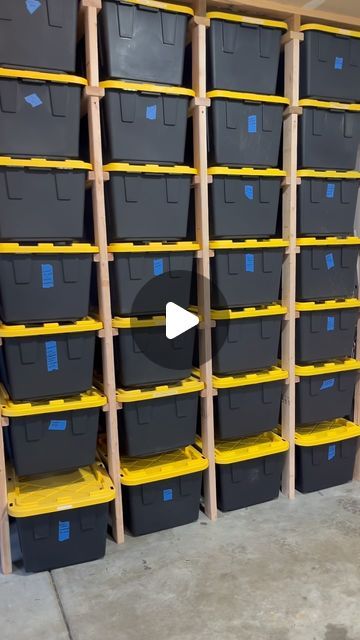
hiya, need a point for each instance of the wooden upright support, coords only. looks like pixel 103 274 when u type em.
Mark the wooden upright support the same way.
pixel 357 349
pixel 89 10
pixel 292 62
pixel 203 261
pixel 5 547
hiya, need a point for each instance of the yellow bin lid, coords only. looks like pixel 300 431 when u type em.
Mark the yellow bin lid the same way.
pixel 247 379
pixel 321 104
pixel 136 471
pixel 232 17
pixel 327 305
pixel 249 172
pixel 87 400
pixel 247 97
pixel 334 175
pixel 248 312
pixel 47 248
pixel 232 451
pixel 153 247
pixel 163 6
pixel 273 243
pixel 190 385
pixel 49 328
pixel 23 74
pixel 38 495
pixel 327 29
pixel 137 323
pixel 323 368
pixel 326 432
pixel 125 167
pixel 43 163
pixel 147 87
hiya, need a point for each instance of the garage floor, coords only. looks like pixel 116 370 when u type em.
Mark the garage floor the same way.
pixel 279 571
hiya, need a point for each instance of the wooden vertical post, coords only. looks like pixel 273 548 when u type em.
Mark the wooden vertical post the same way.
pixel 5 547
pixel 357 348
pixel 292 64
pixel 90 9
pixel 203 262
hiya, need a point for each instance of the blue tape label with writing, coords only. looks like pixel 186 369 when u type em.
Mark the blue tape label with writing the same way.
pixel 339 63
pixel 330 262
pixel 331 451
pixel 249 191
pixel 151 112
pixel 167 495
pixel 34 100
pixel 252 124
pixel 330 323
pixel 64 530
pixel 57 425
pixel 330 190
pixel 51 355
pixel 158 266
pixel 47 276
pixel 249 262
pixel 32 6
pixel 327 384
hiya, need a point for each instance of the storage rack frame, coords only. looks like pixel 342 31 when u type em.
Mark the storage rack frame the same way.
pixel 294 16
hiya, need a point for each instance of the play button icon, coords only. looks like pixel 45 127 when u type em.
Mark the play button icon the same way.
pixel 178 320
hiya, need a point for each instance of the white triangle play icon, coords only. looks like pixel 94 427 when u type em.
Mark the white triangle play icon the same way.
pixel 178 320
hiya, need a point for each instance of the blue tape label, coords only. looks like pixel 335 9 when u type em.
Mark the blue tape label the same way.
pixel 327 384
pixel 330 323
pixel 167 495
pixel 252 124
pixel 331 451
pixel 151 112
pixel 339 63
pixel 330 262
pixel 249 262
pixel 32 6
pixel 249 191
pixel 34 100
pixel 158 266
pixel 330 190
pixel 57 425
pixel 51 356
pixel 64 531
pixel 47 276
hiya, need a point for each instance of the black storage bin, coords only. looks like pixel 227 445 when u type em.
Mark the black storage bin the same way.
pixel 39 114
pixel 42 200
pixel 244 52
pixel 244 203
pixel 330 63
pixel 133 288
pixel 326 268
pixel 245 129
pixel 46 361
pixel 144 123
pixel 246 273
pixel 147 202
pixel 248 471
pixel 144 42
pixel 325 391
pixel 326 330
pixel 163 491
pixel 327 203
pixel 39 35
pixel 145 357
pixel 44 282
pixel 325 454
pixel 52 534
pixel 247 404
pixel 246 340
pixel 159 419
pixel 329 135
pixel 53 436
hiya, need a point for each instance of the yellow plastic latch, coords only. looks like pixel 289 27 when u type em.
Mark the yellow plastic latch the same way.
pixel 190 385
pixel 326 432
pixel 38 495
pixel 232 451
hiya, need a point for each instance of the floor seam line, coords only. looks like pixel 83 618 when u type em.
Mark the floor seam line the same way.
pixel 62 610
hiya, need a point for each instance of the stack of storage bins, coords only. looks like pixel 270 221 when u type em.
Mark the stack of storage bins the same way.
pixel 327 262
pixel 144 123
pixel 245 127
pixel 48 338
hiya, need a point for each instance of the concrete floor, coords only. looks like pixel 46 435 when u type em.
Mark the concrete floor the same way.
pixel 279 571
